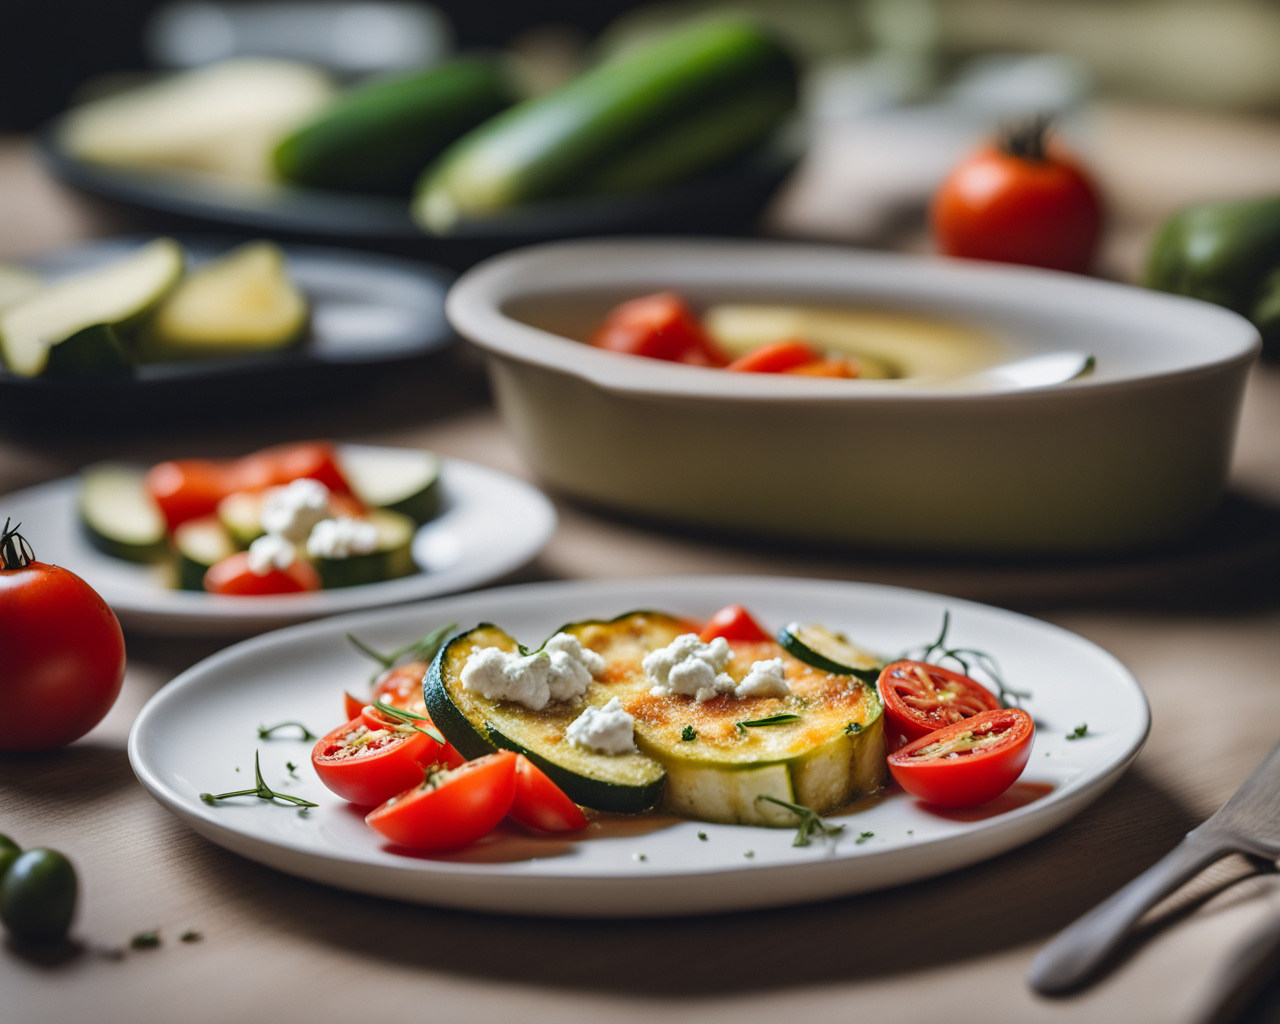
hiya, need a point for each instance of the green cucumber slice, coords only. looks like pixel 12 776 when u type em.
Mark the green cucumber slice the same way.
pixel 404 480
pixel 118 514
pixel 624 784
pixel 830 651
pixel 117 294
pixel 200 543
pixel 241 514
pixel 94 352
pixel 392 558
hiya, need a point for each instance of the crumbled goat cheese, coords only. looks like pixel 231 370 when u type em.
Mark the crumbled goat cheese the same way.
pixel 291 511
pixel 342 538
pixel 690 667
pixel 561 671
pixel 606 730
pixel 270 552
pixel 766 679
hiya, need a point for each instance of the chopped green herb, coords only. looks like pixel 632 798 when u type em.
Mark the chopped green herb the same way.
pixel 749 854
pixel 757 723
pixel 853 728
pixel 639 856
pixel 1078 732
pixel 688 735
pixel 262 791
pixel 863 837
pixel 293 768
pixel 190 935
pixel 702 836
pixel 811 823
pixel 264 731
pixel 146 940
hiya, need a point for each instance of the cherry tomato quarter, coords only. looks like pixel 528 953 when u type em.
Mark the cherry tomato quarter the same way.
pixel 967 763
pixel 1019 201
pixel 63 650
pixel 539 803
pixel 189 488
pixel 777 357
pixel 920 697
pixel 367 766
pixel 660 326
pixel 733 622
pixel 233 576
pixel 450 809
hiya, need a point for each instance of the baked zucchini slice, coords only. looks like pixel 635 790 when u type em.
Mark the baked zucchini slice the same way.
pixel 200 543
pixel 241 514
pixel 404 480
pixel 830 651
pixel 392 558
pixel 821 746
pixel 119 515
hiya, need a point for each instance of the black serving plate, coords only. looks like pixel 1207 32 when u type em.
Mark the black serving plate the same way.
pixel 370 315
pixel 724 202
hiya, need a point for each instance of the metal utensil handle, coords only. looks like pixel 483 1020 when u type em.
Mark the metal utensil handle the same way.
pixel 1071 957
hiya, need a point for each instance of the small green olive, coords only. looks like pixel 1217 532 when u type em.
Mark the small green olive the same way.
pixel 9 851
pixel 38 896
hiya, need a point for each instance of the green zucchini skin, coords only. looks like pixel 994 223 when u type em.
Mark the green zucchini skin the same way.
pixel 379 138
pixel 117 515
pixel 684 104
pixel 93 352
pixel 808 644
pixel 392 559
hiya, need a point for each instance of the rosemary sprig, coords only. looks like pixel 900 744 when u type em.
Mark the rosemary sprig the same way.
pixel 411 717
pixel 423 649
pixel 264 731
pixel 756 723
pixel 262 791
pixel 968 658
pixel 811 823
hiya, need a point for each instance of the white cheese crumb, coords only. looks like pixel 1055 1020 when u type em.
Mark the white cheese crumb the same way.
pixel 561 671
pixel 766 679
pixel 690 667
pixel 291 511
pixel 270 552
pixel 342 538
pixel 606 730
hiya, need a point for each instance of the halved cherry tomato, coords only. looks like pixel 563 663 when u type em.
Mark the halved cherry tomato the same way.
pixel 539 803
pixel 776 357
pixel 969 762
pixel 826 368
pixel 311 459
pixel 233 576
pixel 352 706
pixel 401 686
pixel 188 488
pixel 919 698
pixel 370 758
pixel 733 622
pixel 450 809
pixel 659 326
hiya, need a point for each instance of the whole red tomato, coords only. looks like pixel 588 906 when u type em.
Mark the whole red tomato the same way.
pixel 1019 201
pixel 63 652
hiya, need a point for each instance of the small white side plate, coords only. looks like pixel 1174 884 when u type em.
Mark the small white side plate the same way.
pixel 490 524
pixel 194 735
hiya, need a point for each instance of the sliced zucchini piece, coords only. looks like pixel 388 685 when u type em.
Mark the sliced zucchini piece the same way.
pixel 117 295
pixel 200 543
pixel 830 651
pixel 241 515
pixel 405 480
pixel 241 302
pixel 393 556
pixel 16 283
pixel 119 516
pixel 475 725
pixel 94 352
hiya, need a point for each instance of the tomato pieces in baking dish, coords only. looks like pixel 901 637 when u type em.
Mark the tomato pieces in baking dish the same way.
pixel 920 697
pixel 451 808
pixel 660 326
pixel 967 763
pixel 373 757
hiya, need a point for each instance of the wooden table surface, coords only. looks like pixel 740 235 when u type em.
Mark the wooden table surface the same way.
pixel 274 947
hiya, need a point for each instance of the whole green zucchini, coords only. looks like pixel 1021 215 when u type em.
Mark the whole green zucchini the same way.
pixel 694 99
pixel 379 138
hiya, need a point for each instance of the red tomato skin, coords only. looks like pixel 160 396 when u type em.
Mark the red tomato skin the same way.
pixel 733 622
pixel 401 687
pixel 371 779
pixel 659 326
pixel 995 206
pixel 351 706
pixel 777 357
pixel 63 660
pixel 465 808
pixel 540 804
pixel 904 723
pixel 972 779
pixel 188 488
pixel 314 460
pixel 233 576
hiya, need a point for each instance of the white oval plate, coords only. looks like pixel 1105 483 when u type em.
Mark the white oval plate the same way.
pixel 194 735
pixel 490 524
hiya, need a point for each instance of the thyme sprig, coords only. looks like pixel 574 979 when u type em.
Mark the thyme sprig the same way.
pixel 265 731
pixel 423 649
pixel 262 791
pixel 811 823
pixel 783 719
pixel 411 718
pixel 968 658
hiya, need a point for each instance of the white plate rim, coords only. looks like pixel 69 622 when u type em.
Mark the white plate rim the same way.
pixel 654 892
